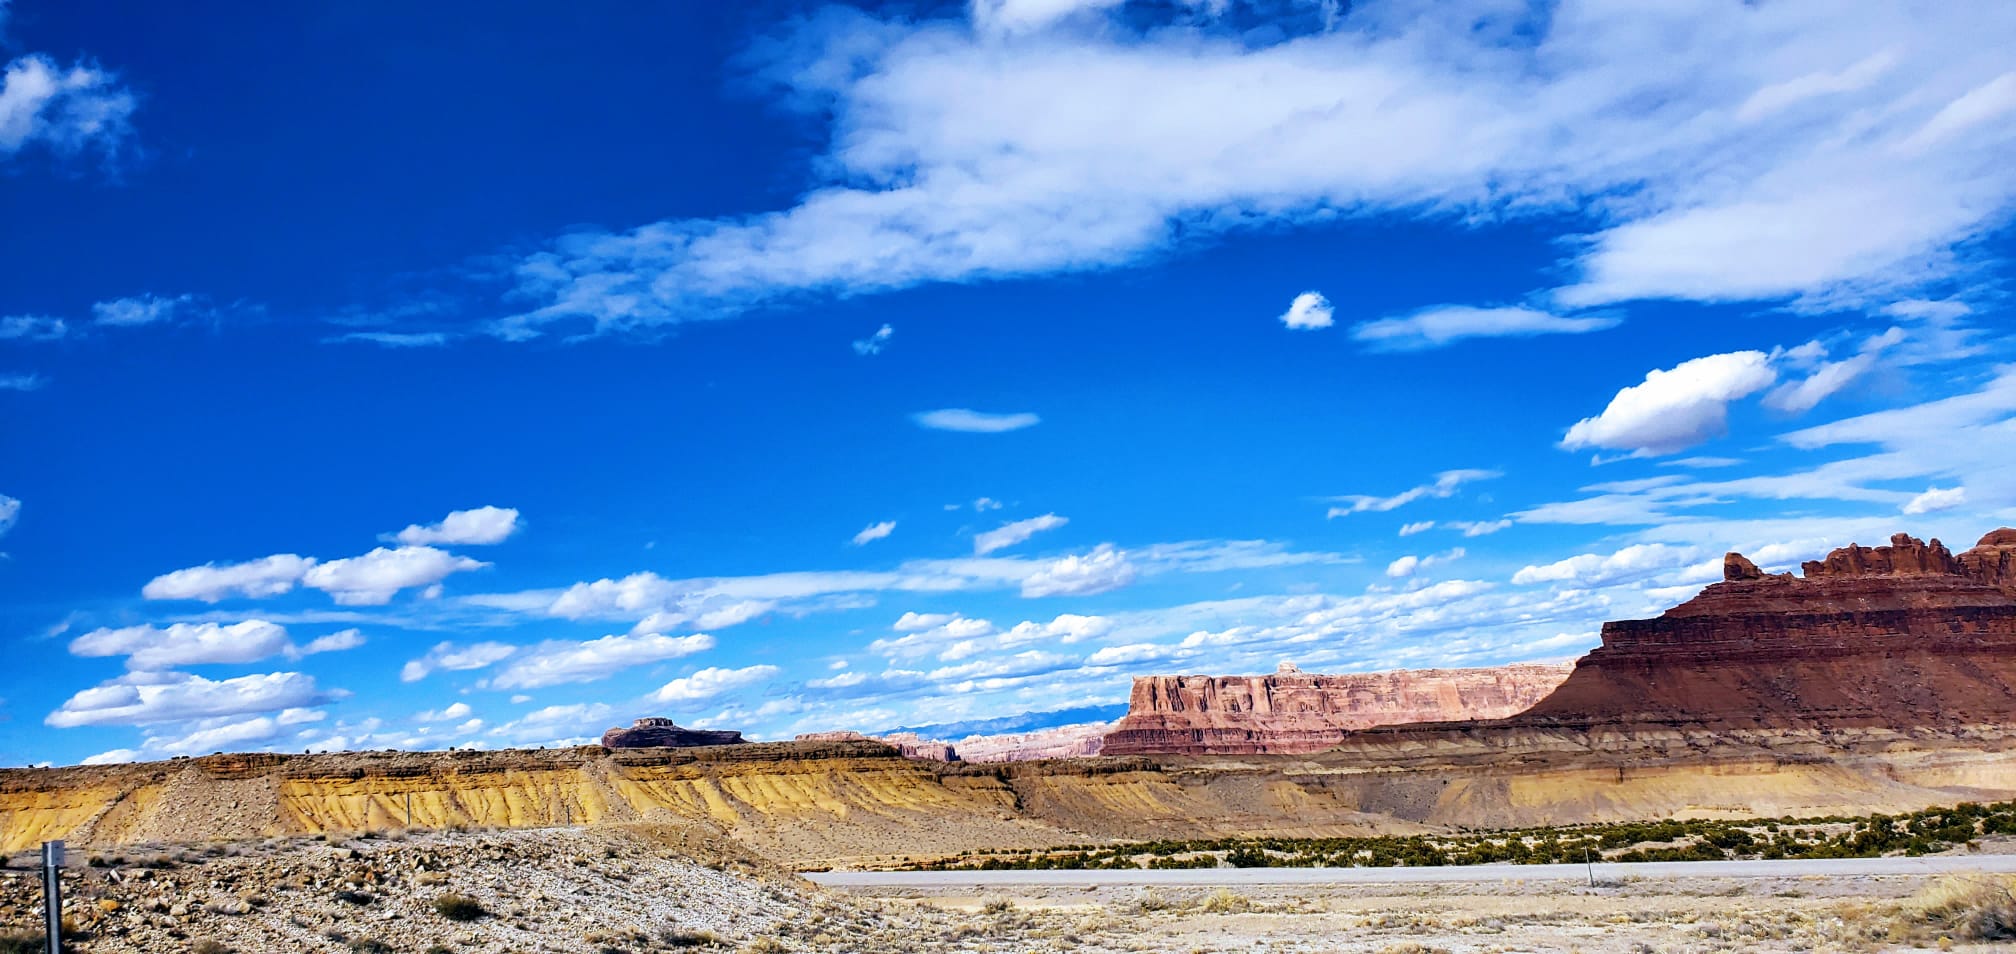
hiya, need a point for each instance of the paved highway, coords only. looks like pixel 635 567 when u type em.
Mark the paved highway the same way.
pixel 1234 877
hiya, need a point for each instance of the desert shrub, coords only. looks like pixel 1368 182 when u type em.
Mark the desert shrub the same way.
pixel 1963 907
pixel 459 907
pixel 20 942
pixel 1225 901
pixel 997 906
pixel 764 945
pixel 681 937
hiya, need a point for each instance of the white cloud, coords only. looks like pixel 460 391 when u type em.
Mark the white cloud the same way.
pixel 1936 499
pixel 1132 654
pixel 114 757
pixel 1010 534
pixel 874 532
pixel 454 658
pixel 1737 151
pixel 458 710
pixel 22 382
pixel 267 576
pixel 142 698
pixel 1633 562
pixel 1445 485
pixel 397 339
pixel 556 662
pixel 1102 570
pixel 1410 564
pixel 1479 528
pixel 1410 529
pixel 139 310
pixel 1674 409
pixel 373 579
pixel 984 504
pixel 873 344
pixel 1828 377
pixel 483 525
pixel 974 422
pixel 711 682
pixel 10 510
pixel 557 724
pixel 916 622
pixel 185 644
pixel 224 737
pixel 32 328
pixel 334 642
pixel 67 111
pixel 1309 311
pixel 1445 324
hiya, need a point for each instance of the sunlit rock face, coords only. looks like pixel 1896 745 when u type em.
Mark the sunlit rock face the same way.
pixel 1297 712
pixel 1901 636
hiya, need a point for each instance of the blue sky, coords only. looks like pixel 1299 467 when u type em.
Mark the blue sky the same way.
pixel 491 375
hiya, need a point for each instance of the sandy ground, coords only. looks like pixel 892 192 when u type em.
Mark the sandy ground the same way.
pixel 1629 917
pixel 637 889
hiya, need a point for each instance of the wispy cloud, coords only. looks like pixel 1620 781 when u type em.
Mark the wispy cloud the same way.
pixel 974 422
pixel 1446 324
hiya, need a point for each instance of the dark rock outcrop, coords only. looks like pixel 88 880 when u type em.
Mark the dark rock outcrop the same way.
pixel 655 733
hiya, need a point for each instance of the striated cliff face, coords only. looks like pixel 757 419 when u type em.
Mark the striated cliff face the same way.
pixel 1294 712
pixel 1900 636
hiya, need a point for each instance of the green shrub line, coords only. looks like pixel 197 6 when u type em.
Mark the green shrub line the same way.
pixel 1872 836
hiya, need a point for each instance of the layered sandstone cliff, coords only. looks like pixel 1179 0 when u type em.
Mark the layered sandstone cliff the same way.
pixel 1901 636
pixel 1294 712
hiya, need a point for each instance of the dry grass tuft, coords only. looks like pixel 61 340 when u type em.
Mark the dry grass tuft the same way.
pixel 1225 901
pixel 1972 907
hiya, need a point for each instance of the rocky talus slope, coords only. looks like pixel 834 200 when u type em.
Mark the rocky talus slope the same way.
pixel 1295 712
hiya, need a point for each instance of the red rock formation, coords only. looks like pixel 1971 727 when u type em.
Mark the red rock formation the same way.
pixel 1061 742
pixel 1294 712
pixel 909 743
pixel 1898 636
pixel 653 733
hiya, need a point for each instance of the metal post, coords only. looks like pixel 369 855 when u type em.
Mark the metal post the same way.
pixel 409 809
pixel 1591 862
pixel 52 893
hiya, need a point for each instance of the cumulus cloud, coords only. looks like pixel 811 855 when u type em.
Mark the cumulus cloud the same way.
pixel 140 310
pixel 974 422
pixel 185 644
pixel 1010 534
pixel 373 579
pixel 1422 526
pixel 1309 311
pixel 556 662
pixel 1674 409
pixel 1446 324
pixel 66 110
pixel 150 647
pixel 874 532
pixel 454 711
pixel 563 724
pixel 1102 570
pixel 267 576
pixel 1936 499
pixel 1410 564
pixel 144 698
pixel 454 658
pixel 873 344
pixel 711 682
pixel 483 525
pixel 1445 485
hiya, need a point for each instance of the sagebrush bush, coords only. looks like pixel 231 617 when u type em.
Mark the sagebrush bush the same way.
pixel 459 907
pixel 1972 907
